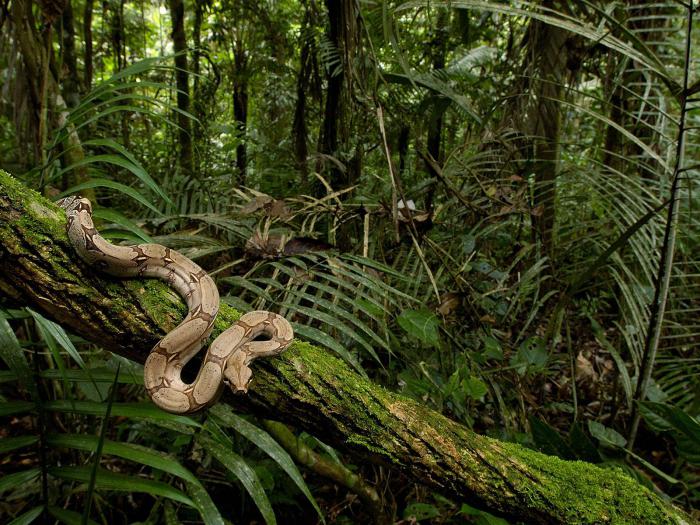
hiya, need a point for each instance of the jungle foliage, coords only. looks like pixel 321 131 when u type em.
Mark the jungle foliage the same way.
pixel 491 208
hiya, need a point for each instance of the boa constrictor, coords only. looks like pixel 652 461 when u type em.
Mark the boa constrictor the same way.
pixel 228 357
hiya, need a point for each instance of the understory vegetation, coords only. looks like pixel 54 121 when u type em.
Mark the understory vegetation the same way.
pixel 491 208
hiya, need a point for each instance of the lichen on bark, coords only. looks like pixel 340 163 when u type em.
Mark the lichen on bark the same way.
pixel 312 390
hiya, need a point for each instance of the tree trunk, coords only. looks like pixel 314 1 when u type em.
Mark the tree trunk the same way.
pixel 38 71
pixel 87 35
pixel 177 15
pixel 548 54
pixel 438 48
pixel 299 127
pixel 634 98
pixel 71 91
pixel 312 390
pixel 341 34
pixel 240 106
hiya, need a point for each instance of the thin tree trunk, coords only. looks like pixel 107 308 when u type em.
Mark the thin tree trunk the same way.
pixel 240 107
pixel 438 48
pixel 87 35
pixel 314 391
pixel 333 111
pixel 198 102
pixel 299 128
pixel 402 148
pixel 177 15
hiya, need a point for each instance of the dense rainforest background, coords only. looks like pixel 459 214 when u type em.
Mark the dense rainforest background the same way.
pixel 491 208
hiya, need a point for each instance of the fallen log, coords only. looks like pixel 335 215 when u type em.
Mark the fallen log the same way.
pixel 312 390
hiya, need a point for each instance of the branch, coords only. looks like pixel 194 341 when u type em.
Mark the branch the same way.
pixel 311 390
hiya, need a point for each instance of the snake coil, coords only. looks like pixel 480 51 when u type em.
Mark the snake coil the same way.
pixel 228 358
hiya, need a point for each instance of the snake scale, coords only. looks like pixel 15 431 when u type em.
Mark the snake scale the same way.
pixel 228 358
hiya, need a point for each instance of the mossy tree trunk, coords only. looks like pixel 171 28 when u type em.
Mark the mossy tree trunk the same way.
pixel 311 390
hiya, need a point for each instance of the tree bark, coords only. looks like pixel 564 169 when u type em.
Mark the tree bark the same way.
pixel 341 34
pixel 177 15
pixel 240 106
pixel 71 91
pixel 37 70
pixel 299 127
pixel 548 56
pixel 312 390
pixel 438 49
pixel 87 36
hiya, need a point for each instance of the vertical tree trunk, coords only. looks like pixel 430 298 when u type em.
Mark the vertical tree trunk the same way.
pixel 613 149
pixel 299 127
pixel 42 84
pixel 632 102
pixel 548 55
pixel 87 36
pixel 70 80
pixel 402 148
pixel 197 41
pixel 438 48
pixel 177 15
pixel 240 106
pixel 332 112
pixel 198 102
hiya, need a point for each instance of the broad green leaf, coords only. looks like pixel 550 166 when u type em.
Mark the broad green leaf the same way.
pixel 28 517
pixel 13 356
pixel 267 444
pixel 122 162
pixel 17 479
pixel 237 466
pixel 492 349
pixel 108 480
pixel 420 511
pixel 49 329
pixel 8 408
pixel 137 453
pixel 121 220
pixel 97 455
pixel 12 443
pixel 68 517
pixel 98 375
pixel 474 387
pixel 207 508
pixel 531 356
pixel 685 429
pixel 143 174
pixel 606 436
pixel 421 324
pixel 106 183
pixel 137 410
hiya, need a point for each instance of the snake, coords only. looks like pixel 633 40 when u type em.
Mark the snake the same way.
pixel 228 358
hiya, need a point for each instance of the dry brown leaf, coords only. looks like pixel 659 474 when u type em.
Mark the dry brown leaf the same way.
pixel 584 369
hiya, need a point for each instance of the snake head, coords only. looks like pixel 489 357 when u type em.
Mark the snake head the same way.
pixel 238 373
pixel 74 204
